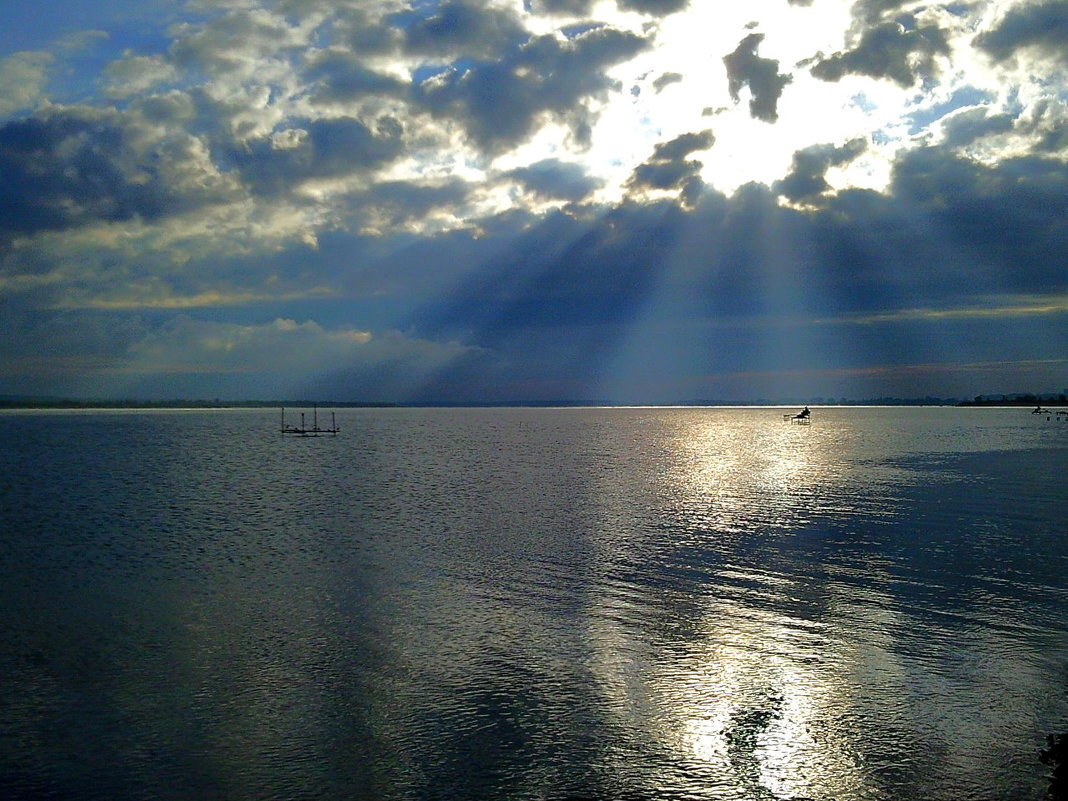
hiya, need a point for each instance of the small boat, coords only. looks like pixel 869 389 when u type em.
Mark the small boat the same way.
pixel 304 431
pixel 804 417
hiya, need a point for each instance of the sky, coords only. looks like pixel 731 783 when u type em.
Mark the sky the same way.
pixel 632 201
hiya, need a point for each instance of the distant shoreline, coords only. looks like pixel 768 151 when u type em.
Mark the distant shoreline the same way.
pixel 45 404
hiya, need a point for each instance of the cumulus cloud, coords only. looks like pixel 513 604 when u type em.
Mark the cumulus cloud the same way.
pixel 889 49
pixel 553 179
pixel 500 103
pixel 342 77
pixel 68 167
pixel 970 125
pixel 582 8
pixel 761 75
pixel 438 167
pixel 670 169
pixel 666 80
pixel 657 8
pixel 806 180
pixel 23 77
pixel 1039 27
pixel 1047 127
pixel 240 43
pixel 322 148
pixel 134 75
pixel 456 27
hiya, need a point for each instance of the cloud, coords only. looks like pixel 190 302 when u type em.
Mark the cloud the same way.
pixel 1039 27
pixel 666 80
pixel 583 8
pixel 67 167
pixel 342 77
pixel 501 103
pixel 806 180
pixel 968 126
pixel 551 179
pixel 134 355
pixel 656 8
pixel 321 148
pixel 391 206
pixel 456 28
pixel 669 169
pixel 892 50
pixel 242 358
pixel 134 75
pixel 1048 125
pixel 23 77
pixel 446 169
pixel 238 44
pixel 761 75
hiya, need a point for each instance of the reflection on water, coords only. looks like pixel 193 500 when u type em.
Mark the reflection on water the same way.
pixel 549 604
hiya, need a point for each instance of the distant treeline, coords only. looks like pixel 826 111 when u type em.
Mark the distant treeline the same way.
pixel 1023 399
pixel 177 403
pixel 10 402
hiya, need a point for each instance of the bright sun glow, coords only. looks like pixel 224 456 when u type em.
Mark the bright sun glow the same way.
pixel 680 86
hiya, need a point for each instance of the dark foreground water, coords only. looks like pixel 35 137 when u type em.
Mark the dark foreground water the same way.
pixel 532 604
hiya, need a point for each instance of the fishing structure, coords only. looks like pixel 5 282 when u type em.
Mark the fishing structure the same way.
pixel 305 431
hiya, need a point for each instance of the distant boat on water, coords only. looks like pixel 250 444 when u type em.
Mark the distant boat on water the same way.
pixel 314 430
pixel 804 417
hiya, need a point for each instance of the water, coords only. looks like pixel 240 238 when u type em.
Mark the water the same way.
pixel 532 604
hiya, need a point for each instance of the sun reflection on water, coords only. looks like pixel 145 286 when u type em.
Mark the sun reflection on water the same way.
pixel 755 694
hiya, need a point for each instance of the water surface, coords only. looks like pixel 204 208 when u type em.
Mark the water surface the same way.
pixel 532 604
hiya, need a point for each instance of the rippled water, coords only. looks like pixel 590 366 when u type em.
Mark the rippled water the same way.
pixel 532 604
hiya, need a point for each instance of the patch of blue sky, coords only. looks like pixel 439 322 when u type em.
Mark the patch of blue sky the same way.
pixel 965 97
pixel 42 24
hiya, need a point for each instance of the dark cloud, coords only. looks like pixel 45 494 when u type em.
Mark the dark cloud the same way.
pixel 966 127
pixel 889 49
pixel 320 148
pixel 582 8
pixel 342 77
pixel 806 179
pixel 761 75
pixel 64 168
pixel 500 103
pixel 458 28
pixel 871 12
pixel 390 205
pixel 363 33
pixel 569 289
pixel 1048 126
pixel 655 8
pixel 949 230
pixel 554 179
pixel 1008 216
pixel 670 169
pixel 683 145
pixel 666 80
pixel 564 8
pixel 1042 27
pixel 664 174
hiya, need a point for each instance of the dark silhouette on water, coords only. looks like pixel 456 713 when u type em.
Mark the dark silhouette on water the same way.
pixel 1056 756
pixel 304 431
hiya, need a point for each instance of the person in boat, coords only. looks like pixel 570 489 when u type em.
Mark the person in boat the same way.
pixel 804 413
